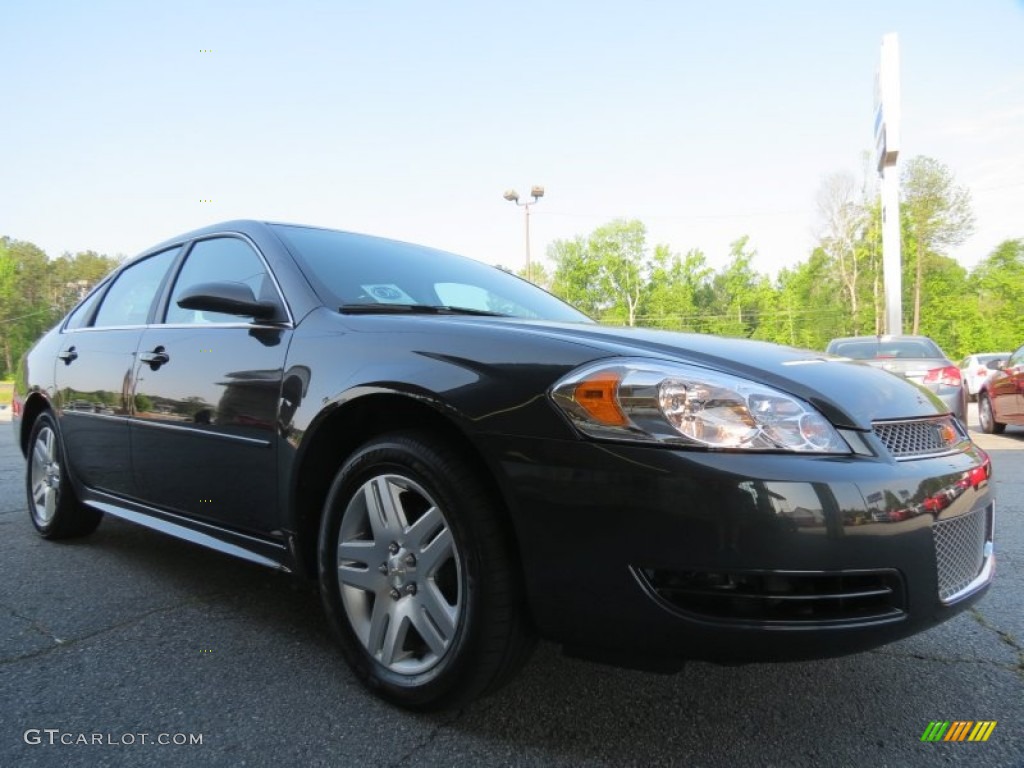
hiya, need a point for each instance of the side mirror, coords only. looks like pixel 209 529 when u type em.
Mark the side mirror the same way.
pixel 229 298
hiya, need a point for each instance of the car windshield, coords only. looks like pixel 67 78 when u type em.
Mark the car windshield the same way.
pixel 367 274
pixel 869 349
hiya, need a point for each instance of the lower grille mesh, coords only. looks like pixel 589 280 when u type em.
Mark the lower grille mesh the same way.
pixel 960 550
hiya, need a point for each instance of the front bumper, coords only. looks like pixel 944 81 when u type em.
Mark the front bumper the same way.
pixel 741 557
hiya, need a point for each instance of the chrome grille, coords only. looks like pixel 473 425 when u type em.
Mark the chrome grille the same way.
pixel 925 437
pixel 960 550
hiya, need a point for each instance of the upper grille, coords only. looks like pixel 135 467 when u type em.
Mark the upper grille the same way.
pixel 960 550
pixel 781 597
pixel 925 437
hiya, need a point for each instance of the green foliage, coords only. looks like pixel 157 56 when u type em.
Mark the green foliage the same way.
pixel 808 304
pixel 606 274
pixel 935 214
pixel 36 291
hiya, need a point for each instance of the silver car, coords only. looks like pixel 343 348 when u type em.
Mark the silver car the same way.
pixel 916 358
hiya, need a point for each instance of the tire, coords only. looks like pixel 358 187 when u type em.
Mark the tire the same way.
pixel 55 511
pixel 987 417
pixel 418 575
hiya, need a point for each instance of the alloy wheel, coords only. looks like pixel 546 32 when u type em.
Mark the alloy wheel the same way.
pixel 45 477
pixel 400 574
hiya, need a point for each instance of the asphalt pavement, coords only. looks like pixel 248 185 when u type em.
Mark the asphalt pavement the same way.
pixel 113 644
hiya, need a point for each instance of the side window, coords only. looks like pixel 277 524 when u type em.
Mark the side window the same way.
pixel 1017 358
pixel 80 316
pixel 128 300
pixel 218 260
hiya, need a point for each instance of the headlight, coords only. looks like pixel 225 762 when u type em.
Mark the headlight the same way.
pixel 681 404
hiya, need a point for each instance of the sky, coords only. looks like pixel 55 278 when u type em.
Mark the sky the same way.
pixel 125 123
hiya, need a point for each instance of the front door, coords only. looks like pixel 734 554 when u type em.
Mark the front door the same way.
pixel 207 393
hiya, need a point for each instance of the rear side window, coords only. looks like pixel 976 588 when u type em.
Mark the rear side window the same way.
pixel 80 316
pixel 128 300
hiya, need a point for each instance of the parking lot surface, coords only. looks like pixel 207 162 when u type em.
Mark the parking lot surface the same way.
pixel 129 638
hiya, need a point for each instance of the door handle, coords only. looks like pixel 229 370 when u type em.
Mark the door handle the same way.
pixel 156 358
pixel 68 355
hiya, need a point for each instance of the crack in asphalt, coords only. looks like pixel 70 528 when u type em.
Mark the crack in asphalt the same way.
pixel 35 624
pixel 1006 638
pixel 427 740
pixel 945 659
pixel 72 641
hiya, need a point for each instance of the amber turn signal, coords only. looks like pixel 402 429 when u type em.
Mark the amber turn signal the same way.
pixel 596 395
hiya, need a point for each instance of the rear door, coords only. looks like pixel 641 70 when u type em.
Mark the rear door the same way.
pixel 207 394
pixel 94 374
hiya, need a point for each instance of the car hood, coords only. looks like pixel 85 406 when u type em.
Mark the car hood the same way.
pixel 848 393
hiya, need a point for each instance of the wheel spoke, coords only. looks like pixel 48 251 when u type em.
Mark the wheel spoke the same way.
pixel 368 579
pixel 370 553
pixel 379 620
pixel 394 638
pixel 382 509
pixel 434 619
pixel 437 552
pixel 423 530
pixel 39 493
pixel 40 454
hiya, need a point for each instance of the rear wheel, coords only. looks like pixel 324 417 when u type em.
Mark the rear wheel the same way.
pixel 418 576
pixel 55 511
pixel 987 416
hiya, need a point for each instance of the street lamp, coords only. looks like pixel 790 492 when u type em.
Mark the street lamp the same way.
pixel 513 197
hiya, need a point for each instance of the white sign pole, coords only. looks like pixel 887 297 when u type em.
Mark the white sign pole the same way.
pixel 887 146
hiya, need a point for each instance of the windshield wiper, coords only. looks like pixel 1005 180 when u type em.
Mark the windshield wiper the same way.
pixel 413 309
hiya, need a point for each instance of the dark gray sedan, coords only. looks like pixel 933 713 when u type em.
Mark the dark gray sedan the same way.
pixel 462 463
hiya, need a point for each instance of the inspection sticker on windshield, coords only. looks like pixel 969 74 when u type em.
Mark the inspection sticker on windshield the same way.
pixel 388 293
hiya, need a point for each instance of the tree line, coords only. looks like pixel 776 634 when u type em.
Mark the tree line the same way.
pixel 36 291
pixel 615 276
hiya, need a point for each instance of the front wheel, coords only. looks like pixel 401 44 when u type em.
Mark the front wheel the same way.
pixel 418 575
pixel 55 512
pixel 987 416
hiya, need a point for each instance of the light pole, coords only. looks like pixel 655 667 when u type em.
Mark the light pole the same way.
pixel 512 196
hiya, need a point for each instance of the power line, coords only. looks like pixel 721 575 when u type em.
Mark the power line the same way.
pixel 22 317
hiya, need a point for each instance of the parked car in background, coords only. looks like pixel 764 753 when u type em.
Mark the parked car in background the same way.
pixel 462 462
pixel 1001 397
pixel 916 358
pixel 974 369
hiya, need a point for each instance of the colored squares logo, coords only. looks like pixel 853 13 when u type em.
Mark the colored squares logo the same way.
pixel 958 730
